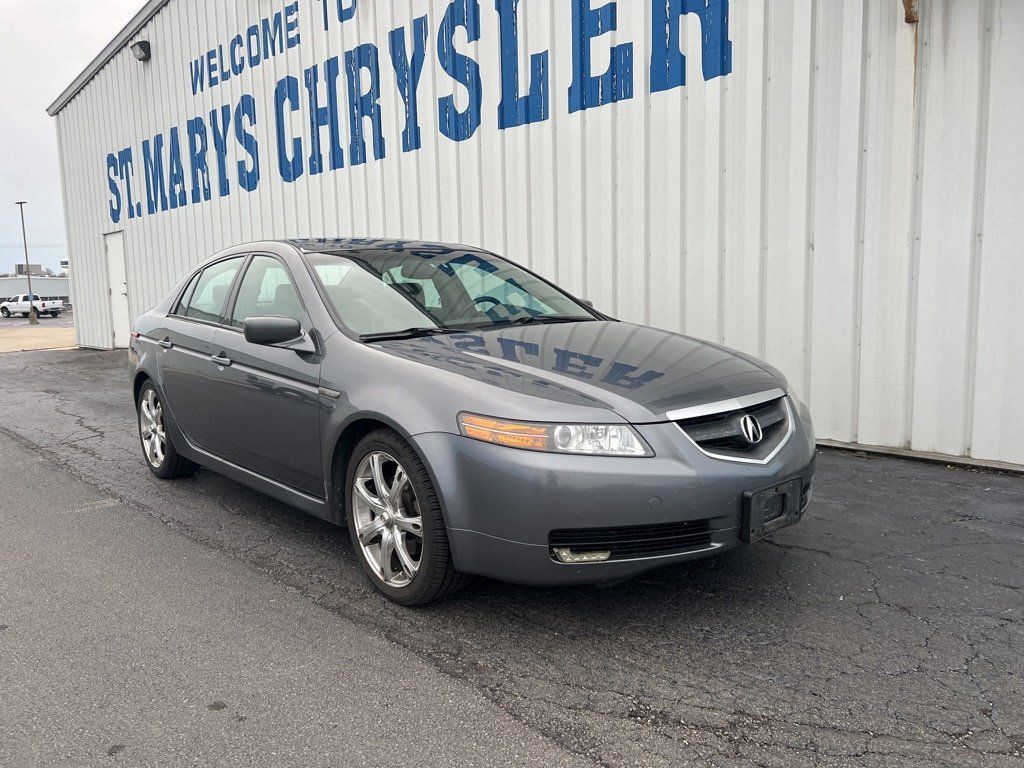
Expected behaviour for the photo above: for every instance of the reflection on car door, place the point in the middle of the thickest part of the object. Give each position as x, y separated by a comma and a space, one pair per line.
264, 401
184, 348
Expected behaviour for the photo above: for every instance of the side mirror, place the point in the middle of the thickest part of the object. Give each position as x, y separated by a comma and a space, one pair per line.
588, 302
271, 330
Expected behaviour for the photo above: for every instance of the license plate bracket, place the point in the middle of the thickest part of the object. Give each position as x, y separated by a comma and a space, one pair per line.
769, 509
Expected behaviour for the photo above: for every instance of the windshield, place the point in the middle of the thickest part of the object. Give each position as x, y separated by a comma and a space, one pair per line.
443, 289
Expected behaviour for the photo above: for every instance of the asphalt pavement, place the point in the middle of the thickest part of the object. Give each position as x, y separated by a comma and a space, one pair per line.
152, 623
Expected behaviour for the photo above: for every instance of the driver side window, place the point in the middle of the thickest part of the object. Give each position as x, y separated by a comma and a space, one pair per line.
483, 283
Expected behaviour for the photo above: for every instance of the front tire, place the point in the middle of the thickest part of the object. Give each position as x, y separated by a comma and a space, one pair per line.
161, 457
395, 522
5, 312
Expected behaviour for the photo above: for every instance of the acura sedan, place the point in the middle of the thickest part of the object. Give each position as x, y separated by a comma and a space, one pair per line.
461, 415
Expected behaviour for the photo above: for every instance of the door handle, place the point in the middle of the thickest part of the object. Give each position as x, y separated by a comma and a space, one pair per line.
221, 360
166, 343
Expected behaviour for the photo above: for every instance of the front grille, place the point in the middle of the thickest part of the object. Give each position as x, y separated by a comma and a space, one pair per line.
721, 433
628, 542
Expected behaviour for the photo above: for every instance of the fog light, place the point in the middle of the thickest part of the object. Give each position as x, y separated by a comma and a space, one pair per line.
566, 555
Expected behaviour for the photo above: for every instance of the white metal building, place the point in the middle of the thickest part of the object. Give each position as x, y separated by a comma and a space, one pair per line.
45, 287
818, 182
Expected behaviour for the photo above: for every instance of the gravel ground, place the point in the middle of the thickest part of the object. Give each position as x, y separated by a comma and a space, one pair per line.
887, 629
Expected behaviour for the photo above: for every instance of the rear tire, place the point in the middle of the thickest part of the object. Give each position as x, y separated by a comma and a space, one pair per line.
404, 550
157, 447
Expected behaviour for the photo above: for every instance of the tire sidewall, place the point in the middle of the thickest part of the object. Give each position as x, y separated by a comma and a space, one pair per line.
5, 312
430, 511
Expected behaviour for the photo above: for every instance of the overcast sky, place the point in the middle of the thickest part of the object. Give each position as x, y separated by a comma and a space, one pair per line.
44, 45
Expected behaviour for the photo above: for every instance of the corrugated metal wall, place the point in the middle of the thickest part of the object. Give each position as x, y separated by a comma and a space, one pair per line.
848, 203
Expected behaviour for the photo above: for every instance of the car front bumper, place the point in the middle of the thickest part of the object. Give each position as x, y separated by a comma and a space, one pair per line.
501, 504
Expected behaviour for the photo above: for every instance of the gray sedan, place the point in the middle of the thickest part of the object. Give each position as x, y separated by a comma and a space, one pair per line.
462, 415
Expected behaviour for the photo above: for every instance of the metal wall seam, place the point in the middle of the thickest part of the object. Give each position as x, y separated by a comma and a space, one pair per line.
986, 21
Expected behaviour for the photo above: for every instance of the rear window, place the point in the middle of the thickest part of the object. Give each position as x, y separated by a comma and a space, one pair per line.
210, 292
186, 295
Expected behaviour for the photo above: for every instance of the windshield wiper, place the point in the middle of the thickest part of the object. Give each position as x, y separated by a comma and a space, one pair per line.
538, 320
408, 333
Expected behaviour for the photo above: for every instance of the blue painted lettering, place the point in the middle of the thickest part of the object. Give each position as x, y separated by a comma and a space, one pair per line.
363, 105
153, 163
198, 145
588, 90
220, 123
287, 93
460, 125
177, 176
115, 188
407, 75
514, 109
324, 116
248, 172
668, 64
126, 164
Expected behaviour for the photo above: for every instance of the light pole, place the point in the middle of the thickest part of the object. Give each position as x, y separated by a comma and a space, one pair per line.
33, 319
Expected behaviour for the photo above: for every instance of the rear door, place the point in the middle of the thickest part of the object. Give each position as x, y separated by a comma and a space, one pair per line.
264, 401
185, 341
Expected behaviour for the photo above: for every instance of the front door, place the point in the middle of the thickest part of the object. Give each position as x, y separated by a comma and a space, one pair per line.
264, 401
117, 281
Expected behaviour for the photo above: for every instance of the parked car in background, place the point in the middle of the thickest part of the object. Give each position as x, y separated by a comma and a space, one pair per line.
462, 416
19, 305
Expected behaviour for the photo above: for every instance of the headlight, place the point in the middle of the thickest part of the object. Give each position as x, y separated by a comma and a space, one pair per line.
586, 439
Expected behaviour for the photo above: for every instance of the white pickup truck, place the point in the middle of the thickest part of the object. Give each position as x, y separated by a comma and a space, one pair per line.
18, 305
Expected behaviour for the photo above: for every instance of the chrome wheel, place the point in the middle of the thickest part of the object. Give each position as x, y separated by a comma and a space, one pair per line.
151, 428
387, 518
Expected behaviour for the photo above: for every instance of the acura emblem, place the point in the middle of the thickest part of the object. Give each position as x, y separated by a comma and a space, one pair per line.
751, 429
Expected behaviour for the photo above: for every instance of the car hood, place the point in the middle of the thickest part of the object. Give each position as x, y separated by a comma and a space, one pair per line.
638, 372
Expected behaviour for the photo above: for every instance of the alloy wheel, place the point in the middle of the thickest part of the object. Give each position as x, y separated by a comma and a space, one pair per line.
151, 428
387, 517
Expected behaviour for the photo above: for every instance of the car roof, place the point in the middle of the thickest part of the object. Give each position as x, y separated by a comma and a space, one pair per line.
355, 245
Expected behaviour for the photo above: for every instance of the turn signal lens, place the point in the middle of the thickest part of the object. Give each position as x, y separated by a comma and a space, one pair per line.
585, 439
533, 437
